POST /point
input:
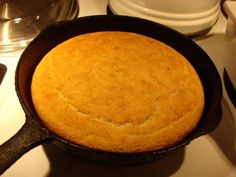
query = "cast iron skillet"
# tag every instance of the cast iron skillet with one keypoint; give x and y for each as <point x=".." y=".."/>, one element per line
<point x="34" y="133"/>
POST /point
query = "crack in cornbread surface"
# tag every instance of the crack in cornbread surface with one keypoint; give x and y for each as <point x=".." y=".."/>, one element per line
<point x="117" y="91"/>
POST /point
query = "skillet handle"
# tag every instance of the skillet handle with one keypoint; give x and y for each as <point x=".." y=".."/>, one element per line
<point x="29" y="136"/>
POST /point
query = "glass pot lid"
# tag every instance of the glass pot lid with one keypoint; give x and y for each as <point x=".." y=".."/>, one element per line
<point x="22" y="20"/>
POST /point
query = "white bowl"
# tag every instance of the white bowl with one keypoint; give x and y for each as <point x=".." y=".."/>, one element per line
<point x="186" y="16"/>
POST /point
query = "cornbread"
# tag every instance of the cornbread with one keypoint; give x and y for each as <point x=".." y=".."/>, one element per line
<point x="117" y="91"/>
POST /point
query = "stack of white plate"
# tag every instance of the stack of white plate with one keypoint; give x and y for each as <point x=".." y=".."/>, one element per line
<point x="186" y="16"/>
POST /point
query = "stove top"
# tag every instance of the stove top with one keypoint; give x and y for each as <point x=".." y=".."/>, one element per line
<point x="211" y="155"/>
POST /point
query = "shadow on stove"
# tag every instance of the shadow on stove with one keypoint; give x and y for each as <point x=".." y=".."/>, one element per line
<point x="62" y="164"/>
<point x="225" y="134"/>
<point x="109" y="11"/>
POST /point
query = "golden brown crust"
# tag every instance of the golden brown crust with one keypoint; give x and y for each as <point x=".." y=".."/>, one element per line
<point x="117" y="91"/>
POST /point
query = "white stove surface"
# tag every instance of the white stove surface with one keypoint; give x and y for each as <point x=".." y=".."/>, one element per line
<point x="211" y="155"/>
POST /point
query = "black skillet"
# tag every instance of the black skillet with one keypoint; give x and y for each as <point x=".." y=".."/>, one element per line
<point x="34" y="133"/>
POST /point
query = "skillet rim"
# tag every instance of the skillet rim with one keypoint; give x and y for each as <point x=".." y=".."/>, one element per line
<point x="30" y="112"/>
